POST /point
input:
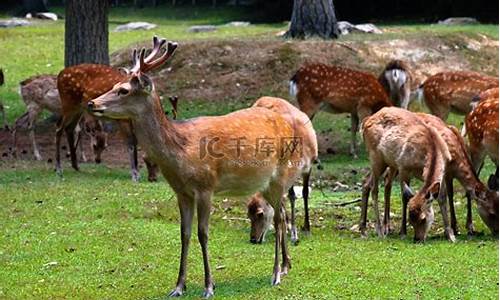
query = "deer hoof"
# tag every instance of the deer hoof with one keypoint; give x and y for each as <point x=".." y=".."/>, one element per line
<point x="276" y="280"/>
<point x="176" y="293"/>
<point x="208" y="293"/>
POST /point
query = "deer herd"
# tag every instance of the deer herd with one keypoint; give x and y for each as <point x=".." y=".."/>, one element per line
<point x="259" y="152"/>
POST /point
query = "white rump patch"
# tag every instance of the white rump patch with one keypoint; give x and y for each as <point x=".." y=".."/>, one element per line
<point x="293" y="88"/>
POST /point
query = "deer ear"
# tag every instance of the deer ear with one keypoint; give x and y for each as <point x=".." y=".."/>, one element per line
<point x="146" y="83"/>
<point x="433" y="192"/>
<point x="407" y="192"/>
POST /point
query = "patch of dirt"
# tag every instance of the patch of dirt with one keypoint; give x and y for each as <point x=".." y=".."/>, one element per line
<point x="243" y="70"/>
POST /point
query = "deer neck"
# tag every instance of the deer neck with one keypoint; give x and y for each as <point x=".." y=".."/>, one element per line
<point x="158" y="136"/>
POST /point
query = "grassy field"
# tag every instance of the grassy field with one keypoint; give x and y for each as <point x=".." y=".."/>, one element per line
<point x="95" y="235"/>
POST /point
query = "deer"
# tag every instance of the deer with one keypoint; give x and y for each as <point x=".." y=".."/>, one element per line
<point x="207" y="156"/>
<point x="338" y="90"/>
<point x="2" y="109"/>
<point x="40" y="92"/>
<point x="80" y="83"/>
<point x="257" y="208"/>
<point x="453" y="91"/>
<point x="397" y="139"/>
<point x="460" y="168"/>
<point x="482" y="132"/>
<point x="396" y="78"/>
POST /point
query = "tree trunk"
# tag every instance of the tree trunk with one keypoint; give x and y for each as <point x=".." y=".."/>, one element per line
<point x="86" y="32"/>
<point x="34" y="6"/>
<point x="313" y="18"/>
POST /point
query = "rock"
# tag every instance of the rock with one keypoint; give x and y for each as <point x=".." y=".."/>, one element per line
<point x="459" y="21"/>
<point x="46" y="16"/>
<point x="202" y="28"/>
<point x="135" y="26"/>
<point x="238" y="24"/>
<point x="340" y="187"/>
<point x="346" y="28"/>
<point x="14" y="22"/>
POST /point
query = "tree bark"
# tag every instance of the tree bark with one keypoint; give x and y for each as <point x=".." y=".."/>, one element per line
<point x="86" y="32"/>
<point x="313" y="18"/>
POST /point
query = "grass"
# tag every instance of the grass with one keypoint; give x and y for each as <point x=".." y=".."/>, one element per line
<point x="95" y="235"/>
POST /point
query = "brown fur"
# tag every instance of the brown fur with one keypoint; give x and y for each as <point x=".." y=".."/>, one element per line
<point x="40" y="92"/>
<point x="2" y="109"/>
<point x="339" y="90"/>
<point x="196" y="172"/>
<point x="453" y="91"/>
<point x="397" y="139"/>
<point x="482" y="131"/>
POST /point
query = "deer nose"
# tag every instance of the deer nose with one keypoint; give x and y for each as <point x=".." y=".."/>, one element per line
<point x="90" y="105"/>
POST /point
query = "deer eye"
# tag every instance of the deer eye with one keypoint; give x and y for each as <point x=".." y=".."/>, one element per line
<point x="122" y="92"/>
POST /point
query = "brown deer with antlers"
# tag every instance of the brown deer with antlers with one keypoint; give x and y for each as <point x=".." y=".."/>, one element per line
<point x="81" y="83"/>
<point x="460" y="168"/>
<point x="236" y="154"/>
<point x="453" y="91"/>
<point x="338" y="90"/>
<point x="397" y="139"/>
<point x="40" y="92"/>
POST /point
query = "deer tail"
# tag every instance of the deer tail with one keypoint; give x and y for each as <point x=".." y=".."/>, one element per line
<point x="293" y="89"/>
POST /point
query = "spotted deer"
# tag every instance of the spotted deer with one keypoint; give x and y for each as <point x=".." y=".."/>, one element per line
<point x="396" y="79"/>
<point x="486" y="94"/>
<point x="482" y="132"/>
<point x="397" y="139"/>
<point x="81" y="83"/>
<point x="453" y="91"/>
<point x="202" y="157"/>
<point x="307" y="144"/>
<point x="2" y="109"/>
<point x="338" y="90"/>
<point x="40" y="92"/>
<point x="460" y="168"/>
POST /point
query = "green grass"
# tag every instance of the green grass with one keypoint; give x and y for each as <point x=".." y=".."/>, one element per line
<point x="95" y="235"/>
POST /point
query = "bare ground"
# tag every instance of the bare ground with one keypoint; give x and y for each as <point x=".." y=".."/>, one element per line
<point x="243" y="70"/>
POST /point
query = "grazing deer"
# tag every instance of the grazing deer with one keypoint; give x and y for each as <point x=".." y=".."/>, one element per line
<point x="460" y="168"/>
<point x="482" y="131"/>
<point x="338" y="90"/>
<point x="396" y="79"/>
<point x="2" y="109"/>
<point x="81" y="83"/>
<point x="453" y="91"/>
<point x="236" y="154"/>
<point x="397" y="139"/>
<point x="303" y="130"/>
<point x="487" y="94"/>
<point x="40" y="92"/>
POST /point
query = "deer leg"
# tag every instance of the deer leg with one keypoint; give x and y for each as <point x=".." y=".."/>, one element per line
<point x="292" y="198"/>
<point x="70" y="136"/>
<point x="354" y="129"/>
<point x="404" y="206"/>
<point x="469" y="223"/>
<point x="364" y="204"/>
<point x="286" y="264"/>
<point x="2" y="110"/>
<point x="305" y="195"/>
<point x="152" y="169"/>
<point x="203" y="210"/>
<point x="374" y="185"/>
<point x="453" y="216"/>
<point x="59" y="132"/>
<point x="33" y="112"/>
<point x="186" y="207"/>
<point x="132" y="153"/>
<point x="477" y="155"/>
<point x="79" y="143"/>
<point x="444" y="212"/>
<point x="387" y="200"/>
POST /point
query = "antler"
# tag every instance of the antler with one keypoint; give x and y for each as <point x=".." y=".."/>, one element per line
<point x="143" y="65"/>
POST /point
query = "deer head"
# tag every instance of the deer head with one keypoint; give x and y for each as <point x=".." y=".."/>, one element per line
<point x="421" y="214"/>
<point x="487" y="206"/>
<point x="261" y="216"/>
